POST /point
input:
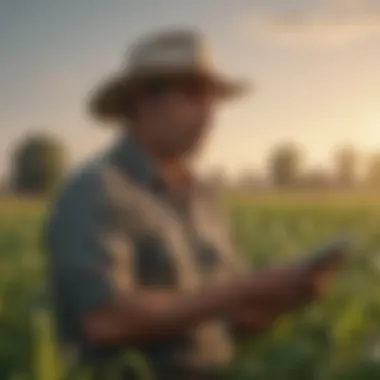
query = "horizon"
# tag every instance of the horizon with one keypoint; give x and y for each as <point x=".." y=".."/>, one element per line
<point x="314" y="65"/>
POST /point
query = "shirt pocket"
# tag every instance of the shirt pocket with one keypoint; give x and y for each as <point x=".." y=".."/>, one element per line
<point x="207" y="257"/>
<point x="154" y="266"/>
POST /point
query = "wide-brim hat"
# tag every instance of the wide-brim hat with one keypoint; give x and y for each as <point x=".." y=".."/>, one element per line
<point x="164" y="55"/>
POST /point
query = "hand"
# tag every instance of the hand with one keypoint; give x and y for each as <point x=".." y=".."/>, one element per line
<point x="274" y="292"/>
<point x="322" y="278"/>
<point x="283" y="290"/>
<point x="323" y="267"/>
<point x="292" y="287"/>
<point x="288" y="287"/>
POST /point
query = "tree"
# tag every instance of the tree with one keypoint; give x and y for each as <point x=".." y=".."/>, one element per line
<point x="346" y="166"/>
<point x="250" y="180"/>
<point x="373" y="171"/>
<point x="217" y="178"/>
<point x="285" y="165"/>
<point x="316" y="179"/>
<point x="38" y="164"/>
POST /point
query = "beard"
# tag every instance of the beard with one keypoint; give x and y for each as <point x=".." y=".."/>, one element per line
<point x="182" y="145"/>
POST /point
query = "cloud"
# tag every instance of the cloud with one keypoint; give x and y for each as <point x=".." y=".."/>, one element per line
<point x="323" y="22"/>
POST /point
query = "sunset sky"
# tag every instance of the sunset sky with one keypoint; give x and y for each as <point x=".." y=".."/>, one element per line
<point x="315" y="65"/>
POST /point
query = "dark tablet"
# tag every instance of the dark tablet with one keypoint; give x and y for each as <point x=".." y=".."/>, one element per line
<point x="329" y="255"/>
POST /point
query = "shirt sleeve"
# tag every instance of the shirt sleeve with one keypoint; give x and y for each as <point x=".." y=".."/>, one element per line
<point x="89" y="260"/>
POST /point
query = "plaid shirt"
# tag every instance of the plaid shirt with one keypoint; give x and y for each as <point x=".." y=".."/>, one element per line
<point x="116" y="225"/>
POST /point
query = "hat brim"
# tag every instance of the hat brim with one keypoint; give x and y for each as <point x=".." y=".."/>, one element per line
<point x="110" y="100"/>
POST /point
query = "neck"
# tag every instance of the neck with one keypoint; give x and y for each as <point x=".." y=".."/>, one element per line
<point x="173" y="169"/>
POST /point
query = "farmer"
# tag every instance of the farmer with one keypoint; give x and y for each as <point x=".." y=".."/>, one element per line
<point x="140" y="256"/>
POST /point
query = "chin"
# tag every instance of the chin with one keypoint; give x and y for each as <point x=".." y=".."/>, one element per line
<point x="190" y="150"/>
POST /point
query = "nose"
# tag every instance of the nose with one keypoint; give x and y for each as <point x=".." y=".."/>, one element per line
<point x="206" y="103"/>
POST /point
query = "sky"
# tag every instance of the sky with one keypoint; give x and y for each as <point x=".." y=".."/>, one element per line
<point x="314" y="65"/>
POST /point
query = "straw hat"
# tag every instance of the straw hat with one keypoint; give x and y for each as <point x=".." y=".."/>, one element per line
<point x="167" y="54"/>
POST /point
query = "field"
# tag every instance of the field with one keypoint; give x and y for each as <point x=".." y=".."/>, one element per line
<point x="336" y="339"/>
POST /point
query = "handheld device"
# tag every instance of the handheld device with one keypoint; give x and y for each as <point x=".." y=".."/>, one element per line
<point x="328" y="255"/>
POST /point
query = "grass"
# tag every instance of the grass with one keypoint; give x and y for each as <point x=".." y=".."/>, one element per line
<point x="337" y="339"/>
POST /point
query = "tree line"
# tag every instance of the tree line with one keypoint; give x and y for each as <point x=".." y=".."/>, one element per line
<point x="39" y="162"/>
<point x="285" y="169"/>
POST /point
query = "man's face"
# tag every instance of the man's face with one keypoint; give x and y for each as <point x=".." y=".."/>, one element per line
<point x="181" y="115"/>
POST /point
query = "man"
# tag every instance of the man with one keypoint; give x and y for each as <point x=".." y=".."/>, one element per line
<point x="140" y="255"/>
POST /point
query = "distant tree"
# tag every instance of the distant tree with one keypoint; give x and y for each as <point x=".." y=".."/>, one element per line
<point x="373" y="170"/>
<point x="346" y="166"/>
<point x="285" y="165"/>
<point x="250" y="180"/>
<point x="38" y="164"/>
<point x="4" y="187"/>
<point x="316" y="179"/>
<point x="217" y="178"/>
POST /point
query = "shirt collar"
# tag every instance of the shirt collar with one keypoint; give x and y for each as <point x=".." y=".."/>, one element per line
<point x="135" y="162"/>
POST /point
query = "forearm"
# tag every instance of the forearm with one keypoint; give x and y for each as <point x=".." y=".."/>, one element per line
<point x="257" y="318"/>
<point x="147" y="315"/>
<point x="253" y="322"/>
